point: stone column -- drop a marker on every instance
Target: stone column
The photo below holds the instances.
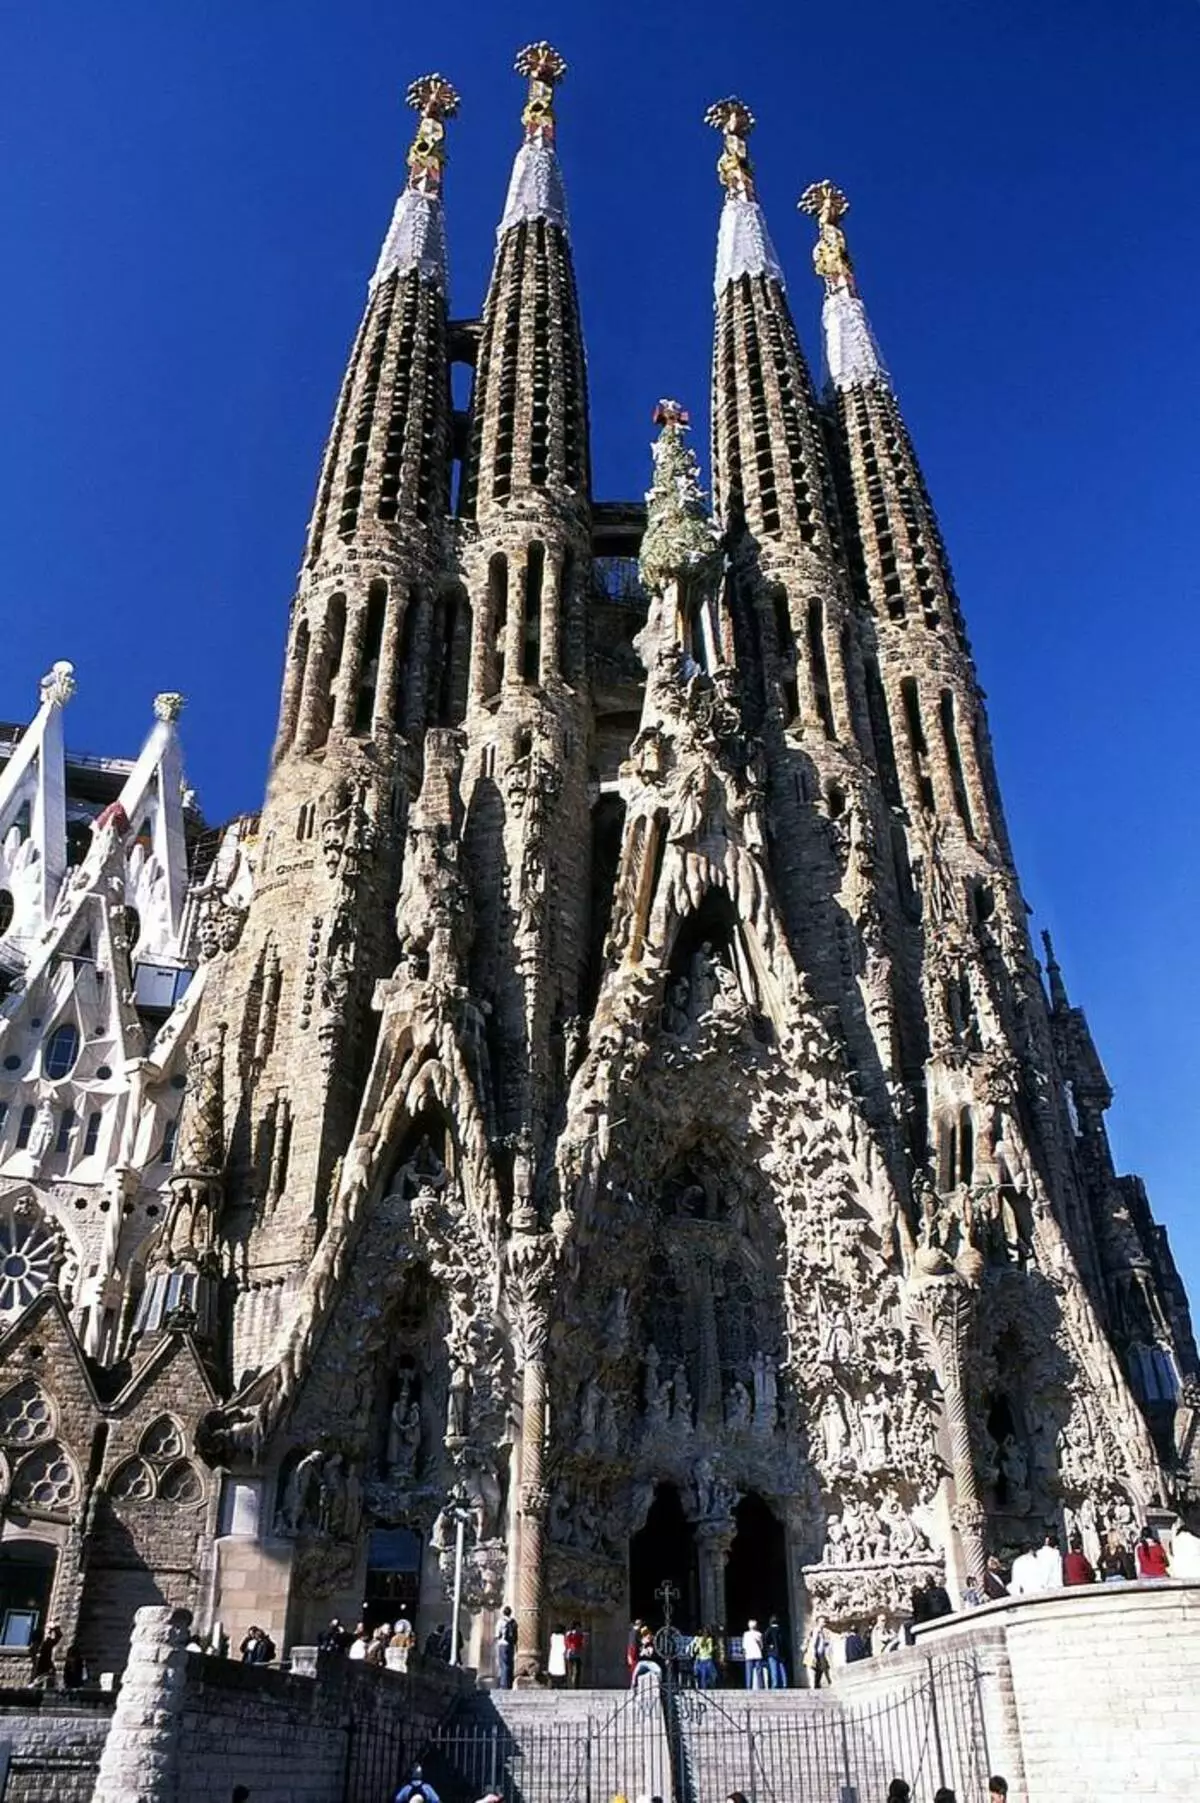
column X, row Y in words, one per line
column 140, row 1762
column 713, row 1541
column 530, row 1264
column 941, row 1301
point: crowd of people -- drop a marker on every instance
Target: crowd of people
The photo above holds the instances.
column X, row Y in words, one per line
column 1044, row 1566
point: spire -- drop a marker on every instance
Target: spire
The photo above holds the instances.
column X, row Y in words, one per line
column 743, row 242
column 680, row 538
column 416, row 238
column 850, row 349
column 529, row 407
column 535, row 190
column 1059, row 999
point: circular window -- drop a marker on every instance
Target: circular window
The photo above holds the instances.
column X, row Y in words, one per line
column 15, row 1265
column 7, row 910
column 12, row 1062
column 28, row 1255
column 62, row 1049
column 104, row 1072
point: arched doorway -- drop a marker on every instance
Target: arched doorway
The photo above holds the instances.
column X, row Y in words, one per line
column 756, row 1575
column 664, row 1550
column 393, row 1583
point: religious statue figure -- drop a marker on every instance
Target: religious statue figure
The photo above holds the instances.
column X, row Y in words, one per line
column 458, row 1403
column 703, row 981
column 657, row 1391
column 873, row 1422
column 300, row 1507
column 589, row 1414
column 766, row 1392
column 737, row 1406
column 404, row 1436
column 1014, row 1468
column 681, row 1396
column 41, row 1137
column 676, row 1009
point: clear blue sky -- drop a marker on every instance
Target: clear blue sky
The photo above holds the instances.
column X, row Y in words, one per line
column 192, row 196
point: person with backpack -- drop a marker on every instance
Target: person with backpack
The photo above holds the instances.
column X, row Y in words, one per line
column 574, row 1655
column 506, row 1649
column 416, row 1790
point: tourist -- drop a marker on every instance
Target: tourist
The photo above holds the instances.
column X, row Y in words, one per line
column 1116, row 1563
column 633, row 1646
column 376, row 1653
column 334, row 1639
column 943, row 1794
column 880, row 1636
column 997, row 1789
column 937, row 1600
column 899, row 1792
column 775, row 1647
column 257, row 1648
column 704, row 1666
column 556, row 1664
column 575, row 1639
column 994, row 1586
column 74, row 1671
column 506, row 1649
column 816, row 1654
column 1150, row 1554
column 857, row 1647
column 1049, row 1561
column 737, row 1796
column 45, row 1669
column 647, row 1661
column 416, row 1790
column 1077, row 1567
column 358, row 1644
column 400, row 1646
column 752, row 1653
column 1185, row 1552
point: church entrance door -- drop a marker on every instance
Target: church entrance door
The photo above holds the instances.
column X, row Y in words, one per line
column 756, row 1575
column 665, row 1551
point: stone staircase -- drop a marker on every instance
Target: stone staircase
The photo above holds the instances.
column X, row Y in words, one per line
column 783, row 1746
column 553, row 1746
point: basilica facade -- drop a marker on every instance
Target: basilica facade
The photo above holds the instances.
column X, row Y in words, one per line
column 613, row 1100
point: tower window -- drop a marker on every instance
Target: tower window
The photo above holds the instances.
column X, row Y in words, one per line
column 91, row 1134
column 25, row 1126
column 535, row 567
column 6, row 911
column 566, row 617
column 497, row 620
column 917, row 744
column 786, row 645
column 364, row 706
column 62, row 1049
column 66, row 1126
column 3, row 1116
column 954, row 758
column 820, row 670
column 166, row 1151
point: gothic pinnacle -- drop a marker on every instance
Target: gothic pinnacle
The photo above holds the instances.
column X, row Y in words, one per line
column 743, row 243
column 416, row 238
column 536, row 188
column 850, row 348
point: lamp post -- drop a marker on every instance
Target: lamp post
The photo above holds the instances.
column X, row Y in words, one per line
column 461, row 1517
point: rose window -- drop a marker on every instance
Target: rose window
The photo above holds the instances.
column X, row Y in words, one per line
column 162, row 1439
column 45, row 1480
column 28, row 1257
column 25, row 1414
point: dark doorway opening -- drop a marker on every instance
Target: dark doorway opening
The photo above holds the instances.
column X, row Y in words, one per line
column 665, row 1550
column 393, row 1576
column 756, row 1575
column 26, row 1580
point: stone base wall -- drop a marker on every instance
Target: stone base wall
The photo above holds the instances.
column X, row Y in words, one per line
column 1093, row 1690
column 53, row 1746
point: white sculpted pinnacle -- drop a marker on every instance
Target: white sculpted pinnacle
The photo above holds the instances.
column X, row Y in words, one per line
column 416, row 239
column 58, row 684
column 744, row 244
column 850, row 348
column 535, row 190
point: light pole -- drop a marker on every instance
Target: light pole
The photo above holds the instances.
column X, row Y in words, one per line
column 461, row 1517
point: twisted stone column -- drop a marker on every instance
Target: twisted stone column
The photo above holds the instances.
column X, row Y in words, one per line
column 530, row 1263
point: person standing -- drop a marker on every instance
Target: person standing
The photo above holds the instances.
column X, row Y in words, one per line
column 45, row 1658
column 401, row 1645
column 1116, row 1564
column 997, row 1789
column 575, row 1655
column 816, row 1653
column 556, row 1663
column 1185, row 1552
column 506, row 1649
column 1077, row 1567
column 633, row 1646
column 1026, row 1574
column 880, row 1636
column 775, row 1647
column 994, row 1586
column 752, row 1653
column 1049, row 1562
column 704, row 1655
column 1150, row 1554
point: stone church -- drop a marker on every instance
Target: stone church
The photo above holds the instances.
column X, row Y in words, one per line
column 622, row 1110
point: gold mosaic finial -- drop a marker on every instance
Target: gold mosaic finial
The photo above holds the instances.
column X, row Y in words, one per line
column 435, row 99
column 671, row 413
column 543, row 68
column 735, row 121
column 831, row 257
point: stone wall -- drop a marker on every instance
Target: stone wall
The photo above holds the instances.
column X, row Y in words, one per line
column 1092, row 1689
column 188, row 1727
column 54, row 1747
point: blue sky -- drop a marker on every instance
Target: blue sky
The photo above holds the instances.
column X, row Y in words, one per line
column 192, row 197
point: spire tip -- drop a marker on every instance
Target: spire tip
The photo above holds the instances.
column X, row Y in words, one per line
column 734, row 120
column 543, row 68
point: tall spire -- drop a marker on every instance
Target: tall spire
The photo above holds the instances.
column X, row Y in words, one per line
column 743, row 243
column 529, row 408
column 535, row 190
column 850, row 349
column 416, row 238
